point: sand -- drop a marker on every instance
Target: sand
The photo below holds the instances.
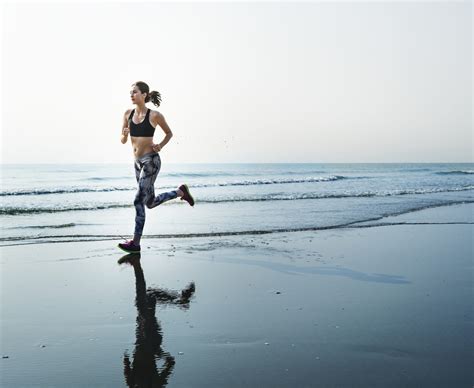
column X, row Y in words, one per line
column 382, row 304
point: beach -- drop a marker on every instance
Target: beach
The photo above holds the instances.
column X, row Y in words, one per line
column 298, row 178
column 382, row 303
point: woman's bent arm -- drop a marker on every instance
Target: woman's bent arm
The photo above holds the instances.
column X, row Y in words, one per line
column 160, row 120
column 125, row 129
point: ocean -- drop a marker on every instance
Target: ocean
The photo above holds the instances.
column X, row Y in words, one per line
column 77, row 202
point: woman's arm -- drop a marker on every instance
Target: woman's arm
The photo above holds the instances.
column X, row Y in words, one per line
column 125, row 129
column 159, row 119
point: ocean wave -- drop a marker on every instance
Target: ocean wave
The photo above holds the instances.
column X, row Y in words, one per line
column 13, row 211
column 275, row 181
column 304, row 196
column 429, row 191
column 200, row 175
column 408, row 169
column 256, row 198
column 211, row 174
column 71, row 190
column 455, row 172
column 216, row 184
column 56, row 226
column 106, row 178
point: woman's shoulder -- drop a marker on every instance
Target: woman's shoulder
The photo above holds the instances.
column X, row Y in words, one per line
column 127, row 112
column 156, row 116
column 155, row 113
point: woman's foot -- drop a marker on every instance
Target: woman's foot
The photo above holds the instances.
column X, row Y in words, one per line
column 186, row 195
column 129, row 246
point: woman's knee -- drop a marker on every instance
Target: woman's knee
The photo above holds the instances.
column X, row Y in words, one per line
column 149, row 203
column 139, row 204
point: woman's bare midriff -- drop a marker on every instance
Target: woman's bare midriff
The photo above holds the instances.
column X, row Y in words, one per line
column 141, row 145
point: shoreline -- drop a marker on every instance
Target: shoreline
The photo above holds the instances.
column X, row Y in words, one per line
column 371, row 222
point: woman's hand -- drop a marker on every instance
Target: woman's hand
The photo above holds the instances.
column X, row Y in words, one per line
column 156, row 147
column 125, row 131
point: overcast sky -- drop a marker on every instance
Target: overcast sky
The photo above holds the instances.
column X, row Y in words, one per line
column 241, row 82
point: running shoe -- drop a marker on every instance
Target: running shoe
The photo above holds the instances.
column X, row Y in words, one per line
column 129, row 246
column 186, row 195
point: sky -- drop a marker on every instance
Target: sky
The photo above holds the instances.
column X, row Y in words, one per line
column 276, row 82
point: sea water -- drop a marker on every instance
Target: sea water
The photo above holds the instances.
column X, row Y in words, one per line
column 49, row 203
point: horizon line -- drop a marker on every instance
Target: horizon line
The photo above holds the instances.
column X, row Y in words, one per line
column 82, row 163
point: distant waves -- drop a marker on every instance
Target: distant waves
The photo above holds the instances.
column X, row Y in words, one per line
column 455, row 172
column 216, row 184
column 55, row 208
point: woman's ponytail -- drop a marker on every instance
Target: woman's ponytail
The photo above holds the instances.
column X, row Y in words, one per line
column 155, row 98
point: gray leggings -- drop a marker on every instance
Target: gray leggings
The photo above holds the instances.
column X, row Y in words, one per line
column 147, row 168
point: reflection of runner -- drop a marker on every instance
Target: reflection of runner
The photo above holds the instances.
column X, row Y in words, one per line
column 142, row 370
column 140, row 123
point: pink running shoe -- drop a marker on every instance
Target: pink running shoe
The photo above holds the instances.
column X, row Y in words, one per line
column 186, row 195
column 129, row 247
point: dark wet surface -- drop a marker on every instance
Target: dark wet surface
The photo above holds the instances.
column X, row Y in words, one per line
column 388, row 306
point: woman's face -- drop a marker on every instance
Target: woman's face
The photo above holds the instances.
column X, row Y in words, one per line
column 137, row 96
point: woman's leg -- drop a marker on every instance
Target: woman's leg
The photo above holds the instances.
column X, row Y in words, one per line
column 151, row 200
column 138, row 169
column 148, row 170
column 160, row 198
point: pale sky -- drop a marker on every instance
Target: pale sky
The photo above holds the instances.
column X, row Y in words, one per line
column 241, row 82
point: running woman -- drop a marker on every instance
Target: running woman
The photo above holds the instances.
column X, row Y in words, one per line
column 140, row 123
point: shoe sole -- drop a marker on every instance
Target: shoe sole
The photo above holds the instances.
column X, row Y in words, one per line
column 126, row 250
column 189, row 194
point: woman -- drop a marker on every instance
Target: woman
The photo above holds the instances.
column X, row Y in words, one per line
column 140, row 123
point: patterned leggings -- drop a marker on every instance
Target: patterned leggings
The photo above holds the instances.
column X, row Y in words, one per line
column 147, row 168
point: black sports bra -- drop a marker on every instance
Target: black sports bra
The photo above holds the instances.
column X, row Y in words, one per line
column 144, row 129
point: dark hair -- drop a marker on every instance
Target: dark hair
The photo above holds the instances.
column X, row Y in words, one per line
column 153, row 96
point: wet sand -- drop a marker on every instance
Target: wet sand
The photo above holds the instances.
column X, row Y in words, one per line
column 382, row 304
